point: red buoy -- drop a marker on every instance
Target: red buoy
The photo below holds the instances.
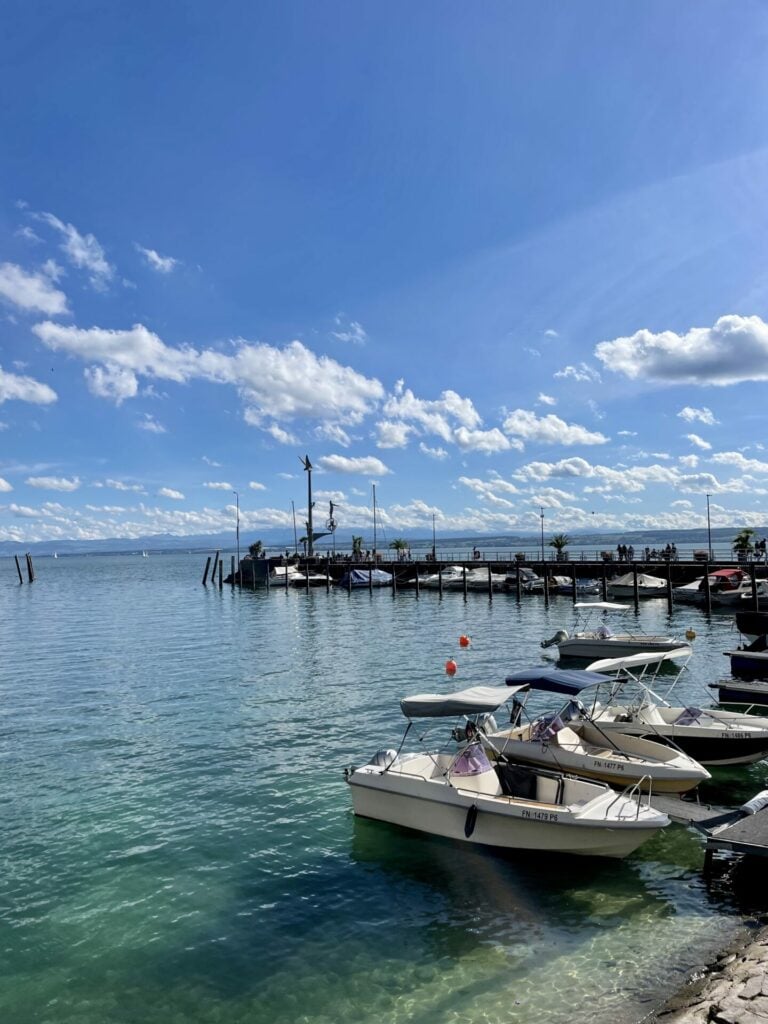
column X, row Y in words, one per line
column 451, row 667
column 464, row 640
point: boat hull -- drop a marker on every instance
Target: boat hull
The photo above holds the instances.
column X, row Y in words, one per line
column 742, row 691
column 595, row 648
column 444, row 811
column 720, row 747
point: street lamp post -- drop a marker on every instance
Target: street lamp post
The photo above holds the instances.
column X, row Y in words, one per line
column 542, row 534
column 709, row 530
column 237, row 526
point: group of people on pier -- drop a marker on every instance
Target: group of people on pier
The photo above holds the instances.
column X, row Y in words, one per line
column 626, row 553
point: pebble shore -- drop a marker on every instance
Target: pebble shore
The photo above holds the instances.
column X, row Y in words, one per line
column 732, row 990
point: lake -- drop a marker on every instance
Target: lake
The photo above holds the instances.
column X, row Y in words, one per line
column 178, row 843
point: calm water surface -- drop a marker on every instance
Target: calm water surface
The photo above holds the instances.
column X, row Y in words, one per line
column 177, row 839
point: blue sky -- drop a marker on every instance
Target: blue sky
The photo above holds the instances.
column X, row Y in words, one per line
column 488, row 257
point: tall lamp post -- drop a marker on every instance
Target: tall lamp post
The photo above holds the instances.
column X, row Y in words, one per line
column 542, row 534
column 709, row 530
column 237, row 526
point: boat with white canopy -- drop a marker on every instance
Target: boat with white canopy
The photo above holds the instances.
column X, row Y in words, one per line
column 647, row 586
column 593, row 637
column 571, row 740
column 712, row 736
column 461, row 795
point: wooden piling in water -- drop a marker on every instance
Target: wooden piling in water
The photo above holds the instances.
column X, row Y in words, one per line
column 518, row 584
column 635, row 587
column 31, row 572
column 18, row 569
column 221, row 573
column 440, row 581
column 205, row 574
column 464, row 580
column 707, row 590
column 327, row 576
column 546, row 584
column 605, row 583
column 417, row 579
column 215, row 567
column 573, row 584
column 232, row 565
column 253, row 575
column 490, row 583
column 669, row 587
column 753, row 581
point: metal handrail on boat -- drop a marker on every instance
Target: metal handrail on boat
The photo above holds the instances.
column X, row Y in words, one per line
column 634, row 792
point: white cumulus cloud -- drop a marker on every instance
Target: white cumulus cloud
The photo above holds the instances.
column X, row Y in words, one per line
column 82, row 251
column 4, row 485
column 698, row 441
column 150, row 424
column 53, row 483
column 33, row 292
column 546, row 399
column 393, row 433
column 168, row 492
column 256, row 486
column 24, row 389
column 433, row 453
column 366, row 465
column 581, row 374
column 703, row 415
column 162, row 264
column 218, row 485
column 349, row 331
column 734, row 349
column 549, row 429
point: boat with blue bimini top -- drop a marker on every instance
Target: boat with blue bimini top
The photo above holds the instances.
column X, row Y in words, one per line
column 460, row 794
column 571, row 740
column 592, row 637
column 713, row 736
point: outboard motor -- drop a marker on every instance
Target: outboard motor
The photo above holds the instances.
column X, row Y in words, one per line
column 384, row 758
column 560, row 635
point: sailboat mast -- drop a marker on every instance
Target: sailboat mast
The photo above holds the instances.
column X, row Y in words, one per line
column 374, row 521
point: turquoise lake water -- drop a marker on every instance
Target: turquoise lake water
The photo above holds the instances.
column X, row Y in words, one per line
column 177, row 839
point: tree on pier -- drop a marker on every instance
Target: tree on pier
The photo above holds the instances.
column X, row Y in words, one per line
column 560, row 542
column 256, row 549
column 357, row 547
column 742, row 543
column 400, row 545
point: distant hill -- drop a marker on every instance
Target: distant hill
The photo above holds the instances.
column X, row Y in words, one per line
column 279, row 539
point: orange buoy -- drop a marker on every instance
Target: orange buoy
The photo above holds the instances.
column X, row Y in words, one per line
column 450, row 667
column 464, row 640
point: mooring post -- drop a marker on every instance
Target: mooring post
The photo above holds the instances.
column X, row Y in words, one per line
column 707, row 591
column 440, row 581
column 394, row 578
column 327, row 576
column 490, row 583
column 215, row 567
column 518, row 585
column 370, row 579
column 253, row 574
column 546, row 584
column 669, row 587
column 635, row 587
column 349, row 580
column 221, row 573
column 573, row 583
column 31, row 574
column 753, row 580
column 18, row 569
column 232, row 566
column 205, row 574
column 417, row 579
column 464, row 580
column 306, row 576
column 605, row 583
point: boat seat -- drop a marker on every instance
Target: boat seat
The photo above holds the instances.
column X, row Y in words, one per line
column 570, row 740
column 649, row 714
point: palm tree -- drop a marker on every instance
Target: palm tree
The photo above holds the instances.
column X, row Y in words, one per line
column 357, row 547
column 255, row 550
column 560, row 542
column 400, row 545
column 742, row 543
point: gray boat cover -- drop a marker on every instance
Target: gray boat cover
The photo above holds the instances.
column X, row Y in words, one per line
column 474, row 701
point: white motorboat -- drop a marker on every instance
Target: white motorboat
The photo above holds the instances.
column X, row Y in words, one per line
column 722, row 581
column 593, row 639
column 740, row 596
column 572, row 741
column 710, row 735
column 477, row 579
column 530, row 583
column 647, row 586
column 450, row 574
column 461, row 795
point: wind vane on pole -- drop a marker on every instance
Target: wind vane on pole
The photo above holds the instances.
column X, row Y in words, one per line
column 308, row 469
